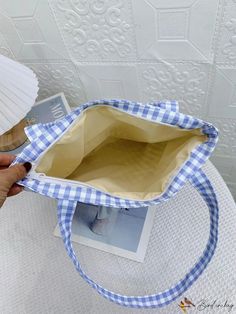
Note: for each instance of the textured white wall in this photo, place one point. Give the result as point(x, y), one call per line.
point(115, 49)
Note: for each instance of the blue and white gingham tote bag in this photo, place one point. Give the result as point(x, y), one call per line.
point(90, 156)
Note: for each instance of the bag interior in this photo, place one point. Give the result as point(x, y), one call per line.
point(120, 154)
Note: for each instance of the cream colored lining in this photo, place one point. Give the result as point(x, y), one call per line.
point(120, 154)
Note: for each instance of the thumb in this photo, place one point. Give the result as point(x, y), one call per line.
point(15, 173)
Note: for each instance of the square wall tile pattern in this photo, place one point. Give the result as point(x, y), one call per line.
point(142, 50)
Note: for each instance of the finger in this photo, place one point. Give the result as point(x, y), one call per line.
point(17, 185)
point(10, 175)
point(4, 167)
point(6, 159)
point(15, 189)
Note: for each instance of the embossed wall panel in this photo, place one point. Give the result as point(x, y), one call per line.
point(222, 101)
point(104, 81)
point(4, 48)
point(57, 77)
point(30, 30)
point(96, 30)
point(178, 30)
point(186, 82)
point(227, 38)
point(141, 50)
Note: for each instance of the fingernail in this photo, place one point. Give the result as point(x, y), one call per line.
point(27, 166)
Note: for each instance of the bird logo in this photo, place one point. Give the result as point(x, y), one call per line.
point(187, 301)
point(185, 304)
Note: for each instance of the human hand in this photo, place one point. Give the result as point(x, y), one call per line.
point(9, 176)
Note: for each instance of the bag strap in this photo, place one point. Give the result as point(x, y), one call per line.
point(171, 105)
point(66, 209)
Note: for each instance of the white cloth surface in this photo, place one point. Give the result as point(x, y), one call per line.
point(36, 275)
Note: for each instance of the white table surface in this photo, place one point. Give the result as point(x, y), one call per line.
point(36, 276)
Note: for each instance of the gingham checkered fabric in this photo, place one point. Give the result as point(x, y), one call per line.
point(43, 136)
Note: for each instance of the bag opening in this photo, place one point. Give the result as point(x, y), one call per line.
point(120, 154)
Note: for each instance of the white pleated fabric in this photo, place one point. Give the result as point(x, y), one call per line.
point(18, 92)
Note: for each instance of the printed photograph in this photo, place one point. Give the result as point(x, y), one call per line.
point(121, 231)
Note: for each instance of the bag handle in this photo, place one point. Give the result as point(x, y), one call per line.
point(171, 105)
point(66, 209)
